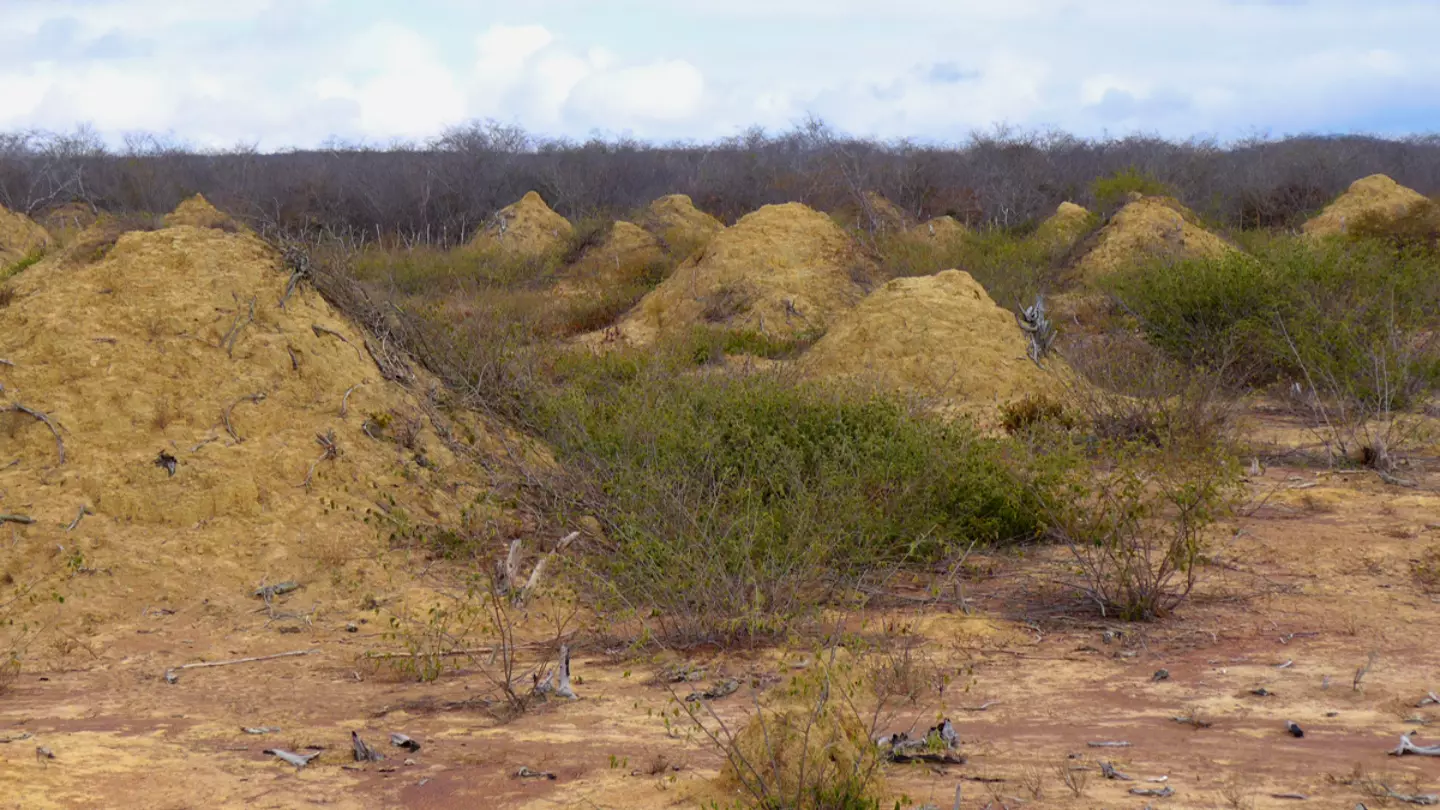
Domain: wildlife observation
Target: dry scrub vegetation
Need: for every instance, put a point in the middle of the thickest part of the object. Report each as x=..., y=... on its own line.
x=728, y=481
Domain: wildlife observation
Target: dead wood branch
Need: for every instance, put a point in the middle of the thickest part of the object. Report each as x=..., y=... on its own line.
x=345, y=400
x=321, y=331
x=1162, y=793
x=1116, y=744
x=298, y=760
x=363, y=752
x=330, y=451
x=1299, y=797
x=1429, y=699
x=79, y=516
x=59, y=443
x=4, y=362
x=256, y=398
x=983, y=707
x=172, y=675
x=539, y=571
x=21, y=519
x=391, y=366
x=1108, y=771
x=558, y=682
x=233, y=336
x=1407, y=747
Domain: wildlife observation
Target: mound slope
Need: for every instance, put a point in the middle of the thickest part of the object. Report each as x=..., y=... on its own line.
x=1373, y=195
x=19, y=236
x=941, y=229
x=1147, y=228
x=525, y=228
x=936, y=336
x=173, y=348
x=784, y=270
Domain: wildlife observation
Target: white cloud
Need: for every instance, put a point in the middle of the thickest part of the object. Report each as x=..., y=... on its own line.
x=296, y=71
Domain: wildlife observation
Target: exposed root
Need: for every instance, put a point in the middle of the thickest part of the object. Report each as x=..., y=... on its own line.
x=59, y=443
x=225, y=416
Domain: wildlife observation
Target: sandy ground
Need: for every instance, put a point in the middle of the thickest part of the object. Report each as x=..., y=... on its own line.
x=1315, y=580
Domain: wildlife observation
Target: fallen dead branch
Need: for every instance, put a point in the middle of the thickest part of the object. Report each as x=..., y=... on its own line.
x=172, y=675
x=21, y=519
x=345, y=400
x=1429, y=699
x=1108, y=771
x=298, y=760
x=1115, y=744
x=79, y=516
x=1407, y=747
x=557, y=683
x=363, y=752
x=330, y=451
x=1299, y=797
x=1161, y=793
x=321, y=331
x=233, y=336
x=225, y=416
x=59, y=443
x=983, y=707
x=939, y=746
x=527, y=773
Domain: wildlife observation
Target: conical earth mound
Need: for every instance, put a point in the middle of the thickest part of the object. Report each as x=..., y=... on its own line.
x=198, y=212
x=1146, y=229
x=526, y=228
x=19, y=237
x=940, y=337
x=1373, y=196
x=784, y=271
x=681, y=228
x=1062, y=229
x=200, y=427
x=942, y=229
x=625, y=255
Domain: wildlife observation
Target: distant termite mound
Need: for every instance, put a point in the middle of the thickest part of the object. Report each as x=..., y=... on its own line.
x=526, y=228
x=20, y=236
x=1145, y=229
x=1376, y=197
x=681, y=228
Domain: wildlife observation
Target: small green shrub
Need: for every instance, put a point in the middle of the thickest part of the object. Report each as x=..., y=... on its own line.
x=1137, y=525
x=22, y=264
x=1110, y=192
x=735, y=505
x=1033, y=411
x=1418, y=228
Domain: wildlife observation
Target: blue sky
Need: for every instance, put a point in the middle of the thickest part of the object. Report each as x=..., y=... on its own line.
x=281, y=73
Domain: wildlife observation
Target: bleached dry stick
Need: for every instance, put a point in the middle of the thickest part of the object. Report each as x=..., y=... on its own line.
x=21, y=519
x=539, y=571
x=79, y=516
x=59, y=443
x=1407, y=747
x=228, y=342
x=172, y=675
x=345, y=400
x=225, y=416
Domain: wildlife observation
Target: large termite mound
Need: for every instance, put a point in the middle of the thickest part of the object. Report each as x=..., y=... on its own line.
x=940, y=337
x=181, y=424
x=20, y=236
x=1146, y=229
x=1375, y=197
x=783, y=271
x=526, y=228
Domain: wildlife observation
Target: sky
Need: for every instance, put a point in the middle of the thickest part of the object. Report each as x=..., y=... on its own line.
x=276, y=74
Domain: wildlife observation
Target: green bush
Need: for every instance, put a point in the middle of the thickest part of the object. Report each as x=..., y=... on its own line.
x=1110, y=192
x=734, y=505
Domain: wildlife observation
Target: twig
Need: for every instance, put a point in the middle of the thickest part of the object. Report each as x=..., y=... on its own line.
x=173, y=674
x=1299, y=797
x=228, y=342
x=331, y=451
x=1429, y=699
x=320, y=331
x=1117, y=744
x=4, y=362
x=345, y=400
x=230, y=427
x=982, y=707
x=59, y=444
x=294, y=359
x=1426, y=799
x=291, y=285
x=23, y=519
x=79, y=516
x=1108, y=771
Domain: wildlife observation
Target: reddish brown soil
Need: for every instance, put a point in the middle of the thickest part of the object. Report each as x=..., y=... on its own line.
x=1316, y=579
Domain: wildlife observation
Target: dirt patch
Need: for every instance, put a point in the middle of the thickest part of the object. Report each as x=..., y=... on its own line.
x=784, y=271
x=940, y=337
x=526, y=228
x=213, y=436
x=681, y=227
x=1146, y=229
x=19, y=237
x=199, y=213
x=1368, y=196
